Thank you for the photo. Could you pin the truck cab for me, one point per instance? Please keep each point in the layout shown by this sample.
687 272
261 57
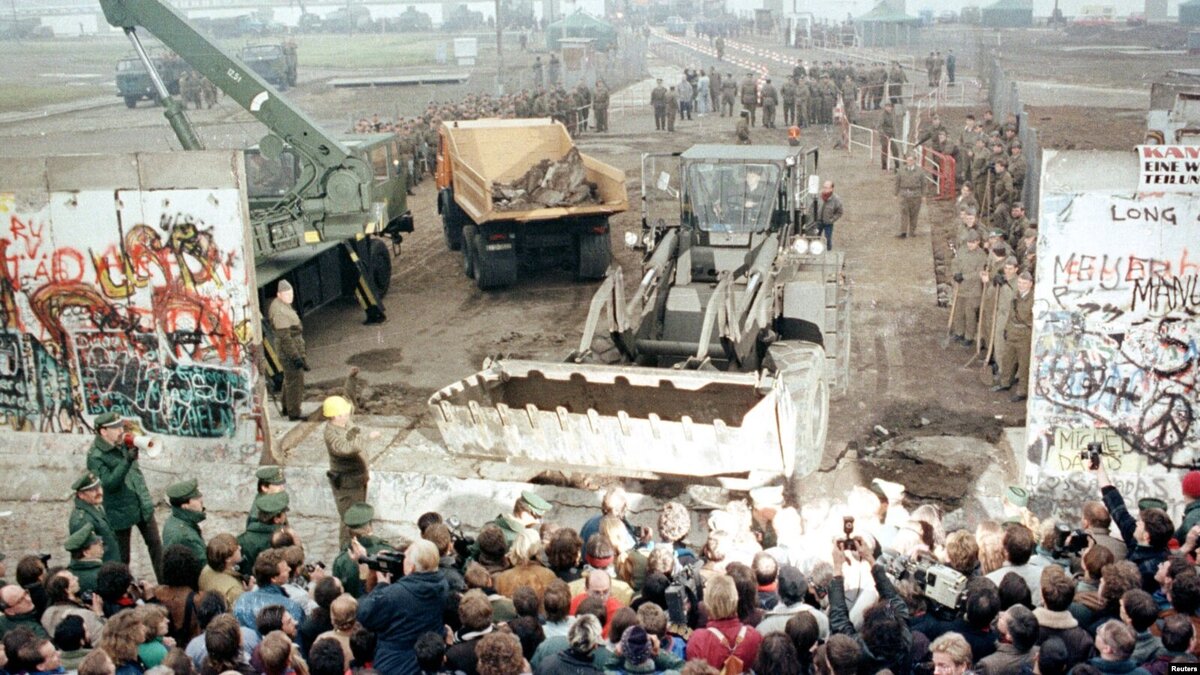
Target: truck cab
133 80
270 61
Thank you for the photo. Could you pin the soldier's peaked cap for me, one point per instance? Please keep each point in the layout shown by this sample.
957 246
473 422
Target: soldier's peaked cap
272 504
108 419
81 538
270 474
535 503
358 515
87 481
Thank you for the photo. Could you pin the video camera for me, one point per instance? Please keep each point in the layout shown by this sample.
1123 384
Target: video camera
462 543
385 562
943 585
1092 455
686 591
1068 542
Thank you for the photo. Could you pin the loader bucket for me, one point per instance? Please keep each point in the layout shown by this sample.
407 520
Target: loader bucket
623 420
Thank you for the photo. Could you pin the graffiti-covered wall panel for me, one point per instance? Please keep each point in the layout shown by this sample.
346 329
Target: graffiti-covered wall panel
1116 328
132 298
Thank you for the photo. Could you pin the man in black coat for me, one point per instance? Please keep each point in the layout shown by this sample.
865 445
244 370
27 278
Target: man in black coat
401 612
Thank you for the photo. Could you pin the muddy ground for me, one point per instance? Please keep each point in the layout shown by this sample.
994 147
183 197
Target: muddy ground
442 327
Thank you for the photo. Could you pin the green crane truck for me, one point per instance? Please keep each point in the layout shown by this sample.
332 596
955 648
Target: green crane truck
326 212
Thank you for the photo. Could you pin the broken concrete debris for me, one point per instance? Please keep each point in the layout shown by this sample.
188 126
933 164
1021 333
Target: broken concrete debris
546 184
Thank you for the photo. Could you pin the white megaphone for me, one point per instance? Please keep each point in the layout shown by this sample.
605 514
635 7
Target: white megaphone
147 446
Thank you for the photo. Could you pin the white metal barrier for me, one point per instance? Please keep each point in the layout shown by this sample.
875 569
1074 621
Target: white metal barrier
855 139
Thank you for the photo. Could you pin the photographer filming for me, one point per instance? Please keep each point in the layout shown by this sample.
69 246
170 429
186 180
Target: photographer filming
113 458
403 611
1146 537
885 638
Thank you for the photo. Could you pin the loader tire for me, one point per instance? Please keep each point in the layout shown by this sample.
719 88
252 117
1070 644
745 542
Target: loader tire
493 269
468 250
131 101
379 265
595 255
800 366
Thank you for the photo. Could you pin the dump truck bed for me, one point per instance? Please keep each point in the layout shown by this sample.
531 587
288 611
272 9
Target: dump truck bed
483 152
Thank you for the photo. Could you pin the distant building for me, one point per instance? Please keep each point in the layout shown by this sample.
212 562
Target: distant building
1189 13
1009 14
887 26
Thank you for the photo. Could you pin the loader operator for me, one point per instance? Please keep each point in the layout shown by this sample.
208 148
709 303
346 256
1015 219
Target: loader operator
741 205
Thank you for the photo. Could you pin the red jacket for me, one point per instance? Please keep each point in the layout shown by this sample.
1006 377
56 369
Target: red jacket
704 644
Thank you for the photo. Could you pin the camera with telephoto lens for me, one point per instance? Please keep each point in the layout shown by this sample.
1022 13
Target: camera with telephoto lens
685 592
86 597
943 585
462 543
385 562
1092 455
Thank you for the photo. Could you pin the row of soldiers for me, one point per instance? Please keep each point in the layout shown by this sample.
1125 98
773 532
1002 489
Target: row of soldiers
418 134
992 307
871 83
195 89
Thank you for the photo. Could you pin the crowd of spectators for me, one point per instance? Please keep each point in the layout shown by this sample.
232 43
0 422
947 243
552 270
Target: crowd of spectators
767 588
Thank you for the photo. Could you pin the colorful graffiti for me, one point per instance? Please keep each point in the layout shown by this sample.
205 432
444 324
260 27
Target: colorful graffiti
135 301
1116 333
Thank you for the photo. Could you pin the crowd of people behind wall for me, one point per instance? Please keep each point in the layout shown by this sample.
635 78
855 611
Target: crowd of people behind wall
768 587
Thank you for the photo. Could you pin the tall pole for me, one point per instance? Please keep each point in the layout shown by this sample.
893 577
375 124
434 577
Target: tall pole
499 52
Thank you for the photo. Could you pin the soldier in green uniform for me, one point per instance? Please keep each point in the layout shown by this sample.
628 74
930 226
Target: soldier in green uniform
979 169
345 567
749 96
728 93
787 91
658 101
272 516
289 344
887 131
348 470
742 131
1017 166
1017 222
126 499
527 512
600 105
187 512
910 188
672 103
1018 333
270 481
770 99
966 267
87 555
89 508
1003 194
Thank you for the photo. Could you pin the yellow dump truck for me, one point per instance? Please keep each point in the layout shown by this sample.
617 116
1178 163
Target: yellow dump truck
517 193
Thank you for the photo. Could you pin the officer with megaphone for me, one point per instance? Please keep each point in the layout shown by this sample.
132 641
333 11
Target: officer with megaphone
113 458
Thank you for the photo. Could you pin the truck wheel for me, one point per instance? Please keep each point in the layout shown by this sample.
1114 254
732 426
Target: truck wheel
468 250
803 410
453 221
595 254
379 265
131 101
493 269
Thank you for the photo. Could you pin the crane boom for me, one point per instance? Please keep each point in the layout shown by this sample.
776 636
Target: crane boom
333 182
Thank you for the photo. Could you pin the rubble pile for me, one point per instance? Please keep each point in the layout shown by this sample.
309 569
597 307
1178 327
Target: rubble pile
547 183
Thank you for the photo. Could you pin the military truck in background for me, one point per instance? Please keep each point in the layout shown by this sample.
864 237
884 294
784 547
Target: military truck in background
411 21
721 362
275 62
133 80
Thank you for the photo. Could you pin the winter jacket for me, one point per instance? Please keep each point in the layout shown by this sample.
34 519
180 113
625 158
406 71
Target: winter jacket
400 613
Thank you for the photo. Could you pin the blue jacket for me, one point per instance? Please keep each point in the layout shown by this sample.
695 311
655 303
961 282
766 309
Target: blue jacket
401 612
249 604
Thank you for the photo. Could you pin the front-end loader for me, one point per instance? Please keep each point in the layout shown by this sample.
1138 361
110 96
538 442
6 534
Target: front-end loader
720 362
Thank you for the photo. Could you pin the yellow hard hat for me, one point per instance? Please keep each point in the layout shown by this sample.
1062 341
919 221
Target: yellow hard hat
336 405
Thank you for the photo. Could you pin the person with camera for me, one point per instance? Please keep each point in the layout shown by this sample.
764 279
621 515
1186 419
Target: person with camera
1096 525
885 638
87 556
358 519
187 512
89 508
402 611
1019 545
113 457
66 600
793 589
1146 537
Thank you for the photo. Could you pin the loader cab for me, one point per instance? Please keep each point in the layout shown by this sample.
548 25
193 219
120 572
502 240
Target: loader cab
734 198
